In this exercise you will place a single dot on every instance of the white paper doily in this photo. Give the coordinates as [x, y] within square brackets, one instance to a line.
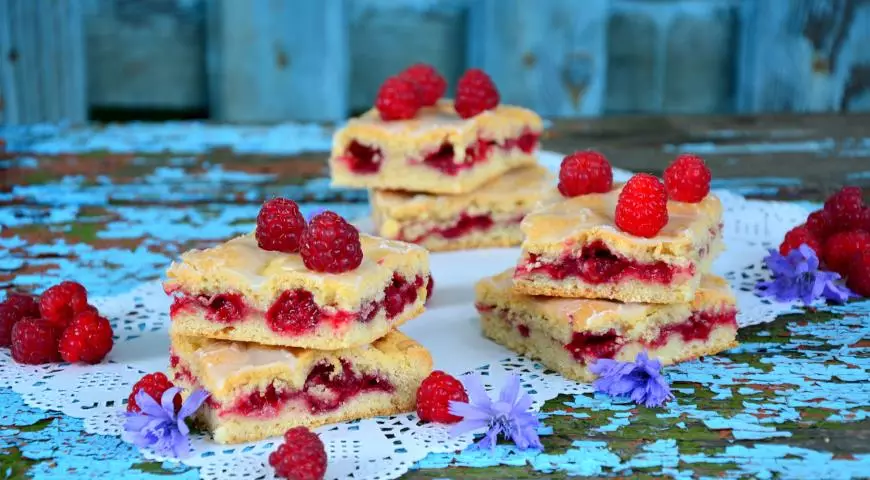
[381, 448]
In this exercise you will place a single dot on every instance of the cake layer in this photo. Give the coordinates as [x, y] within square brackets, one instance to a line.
[487, 217]
[573, 248]
[435, 152]
[567, 335]
[238, 291]
[258, 391]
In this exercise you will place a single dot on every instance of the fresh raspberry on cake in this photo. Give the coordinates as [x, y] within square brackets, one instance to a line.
[642, 207]
[841, 248]
[475, 93]
[687, 179]
[434, 397]
[301, 456]
[820, 224]
[397, 99]
[34, 342]
[60, 303]
[429, 83]
[798, 236]
[846, 208]
[154, 384]
[88, 339]
[331, 244]
[280, 225]
[585, 172]
[859, 274]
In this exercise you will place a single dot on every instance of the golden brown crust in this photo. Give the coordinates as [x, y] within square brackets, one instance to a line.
[627, 291]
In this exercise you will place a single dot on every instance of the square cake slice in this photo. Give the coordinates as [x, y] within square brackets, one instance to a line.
[487, 217]
[568, 335]
[436, 151]
[257, 391]
[237, 291]
[572, 248]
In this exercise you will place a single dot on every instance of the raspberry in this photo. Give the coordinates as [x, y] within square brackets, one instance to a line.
[846, 209]
[26, 304]
[475, 93]
[841, 247]
[301, 456]
[60, 303]
[294, 312]
[9, 316]
[820, 224]
[430, 286]
[331, 245]
[642, 207]
[585, 172]
[798, 236]
[687, 179]
[154, 385]
[88, 339]
[434, 395]
[279, 226]
[859, 274]
[34, 342]
[429, 83]
[397, 99]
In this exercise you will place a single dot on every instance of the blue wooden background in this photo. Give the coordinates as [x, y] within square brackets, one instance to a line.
[322, 60]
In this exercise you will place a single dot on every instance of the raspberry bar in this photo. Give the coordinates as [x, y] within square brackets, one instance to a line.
[567, 335]
[257, 391]
[238, 291]
[436, 151]
[487, 217]
[572, 248]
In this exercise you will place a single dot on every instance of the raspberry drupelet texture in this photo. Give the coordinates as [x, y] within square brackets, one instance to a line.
[302, 456]
[841, 248]
[154, 384]
[585, 172]
[295, 312]
[642, 206]
[687, 179]
[27, 305]
[859, 274]
[429, 83]
[9, 316]
[846, 209]
[798, 236]
[87, 339]
[434, 396]
[331, 244]
[279, 226]
[60, 303]
[475, 93]
[397, 99]
[34, 342]
[820, 224]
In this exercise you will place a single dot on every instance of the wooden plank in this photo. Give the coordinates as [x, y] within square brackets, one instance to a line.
[385, 37]
[807, 56]
[278, 60]
[9, 98]
[49, 78]
[75, 88]
[146, 54]
[549, 55]
[671, 56]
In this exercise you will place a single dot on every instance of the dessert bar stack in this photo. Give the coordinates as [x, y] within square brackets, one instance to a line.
[281, 339]
[610, 271]
[446, 175]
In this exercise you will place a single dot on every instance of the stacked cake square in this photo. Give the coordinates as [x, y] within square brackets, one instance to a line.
[444, 174]
[587, 288]
[277, 344]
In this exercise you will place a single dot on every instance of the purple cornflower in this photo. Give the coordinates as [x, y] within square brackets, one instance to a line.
[640, 380]
[509, 416]
[796, 276]
[158, 425]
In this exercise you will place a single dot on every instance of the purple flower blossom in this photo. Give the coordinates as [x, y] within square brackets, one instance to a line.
[158, 425]
[796, 276]
[508, 416]
[640, 380]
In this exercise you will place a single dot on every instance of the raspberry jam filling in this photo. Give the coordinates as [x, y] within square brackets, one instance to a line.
[324, 391]
[295, 312]
[363, 159]
[596, 264]
[465, 225]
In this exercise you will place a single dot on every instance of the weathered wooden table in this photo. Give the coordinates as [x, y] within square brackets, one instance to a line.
[111, 207]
